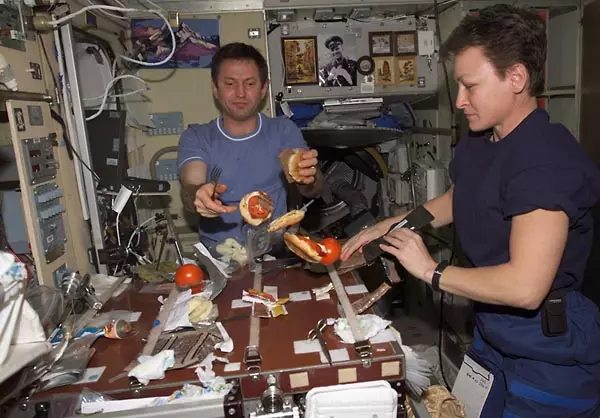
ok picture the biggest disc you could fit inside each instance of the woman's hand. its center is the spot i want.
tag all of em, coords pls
(410, 250)
(363, 238)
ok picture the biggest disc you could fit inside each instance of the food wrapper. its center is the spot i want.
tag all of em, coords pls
(253, 295)
(118, 329)
(264, 305)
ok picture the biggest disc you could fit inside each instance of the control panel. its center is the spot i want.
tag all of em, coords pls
(39, 157)
(34, 141)
(51, 226)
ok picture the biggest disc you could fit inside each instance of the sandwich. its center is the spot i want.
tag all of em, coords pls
(325, 252)
(289, 159)
(286, 220)
(256, 207)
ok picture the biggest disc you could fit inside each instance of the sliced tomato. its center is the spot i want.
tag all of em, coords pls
(256, 209)
(332, 251)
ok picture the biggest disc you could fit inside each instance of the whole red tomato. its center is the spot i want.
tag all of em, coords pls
(332, 251)
(189, 275)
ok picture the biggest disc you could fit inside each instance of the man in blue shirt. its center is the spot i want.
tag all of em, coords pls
(521, 198)
(244, 143)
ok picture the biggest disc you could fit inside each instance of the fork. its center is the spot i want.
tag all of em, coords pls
(215, 174)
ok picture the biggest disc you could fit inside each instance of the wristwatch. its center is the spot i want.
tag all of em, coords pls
(437, 274)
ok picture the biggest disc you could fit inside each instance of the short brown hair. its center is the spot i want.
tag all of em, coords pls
(241, 52)
(508, 35)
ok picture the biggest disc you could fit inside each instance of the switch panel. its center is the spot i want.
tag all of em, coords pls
(170, 123)
(51, 227)
(39, 158)
(43, 196)
(166, 170)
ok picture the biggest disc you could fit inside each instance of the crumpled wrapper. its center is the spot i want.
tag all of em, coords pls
(153, 367)
(370, 324)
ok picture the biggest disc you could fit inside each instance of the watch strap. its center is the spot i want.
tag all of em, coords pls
(437, 274)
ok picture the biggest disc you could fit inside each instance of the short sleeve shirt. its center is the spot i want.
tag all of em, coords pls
(539, 165)
(248, 164)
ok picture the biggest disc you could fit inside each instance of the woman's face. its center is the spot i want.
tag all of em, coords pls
(485, 97)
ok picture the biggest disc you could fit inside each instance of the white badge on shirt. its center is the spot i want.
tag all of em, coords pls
(472, 386)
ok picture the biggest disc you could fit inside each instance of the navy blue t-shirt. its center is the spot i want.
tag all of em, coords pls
(539, 165)
(249, 163)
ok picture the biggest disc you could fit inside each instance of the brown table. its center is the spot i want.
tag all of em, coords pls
(297, 373)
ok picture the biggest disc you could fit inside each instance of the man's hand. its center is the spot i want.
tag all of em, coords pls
(307, 166)
(207, 207)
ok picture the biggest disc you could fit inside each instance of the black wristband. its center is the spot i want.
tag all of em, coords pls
(437, 274)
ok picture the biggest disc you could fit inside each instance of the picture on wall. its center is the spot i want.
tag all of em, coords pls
(300, 60)
(196, 41)
(406, 70)
(381, 44)
(337, 60)
(384, 71)
(406, 43)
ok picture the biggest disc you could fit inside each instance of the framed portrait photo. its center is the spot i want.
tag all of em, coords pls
(381, 44)
(300, 60)
(405, 43)
(406, 74)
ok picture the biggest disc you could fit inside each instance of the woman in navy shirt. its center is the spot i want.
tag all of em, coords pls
(520, 200)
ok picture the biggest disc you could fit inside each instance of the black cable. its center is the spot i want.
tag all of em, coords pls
(60, 120)
(272, 27)
(54, 79)
(70, 148)
(441, 320)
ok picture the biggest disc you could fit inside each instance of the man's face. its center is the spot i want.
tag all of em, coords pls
(337, 52)
(239, 90)
(484, 96)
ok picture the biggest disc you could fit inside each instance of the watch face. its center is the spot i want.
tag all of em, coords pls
(365, 65)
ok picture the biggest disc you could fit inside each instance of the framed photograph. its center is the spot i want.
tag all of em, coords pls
(384, 71)
(300, 60)
(406, 71)
(381, 44)
(405, 43)
(337, 59)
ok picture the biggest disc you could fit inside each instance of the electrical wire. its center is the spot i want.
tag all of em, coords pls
(453, 249)
(57, 22)
(43, 45)
(114, 96)
(104, 12)
(117, 226)
(378, 20)
(70, 146)
(107, 90)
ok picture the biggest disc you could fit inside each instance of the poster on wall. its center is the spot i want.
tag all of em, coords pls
(196, 40)
(407, 71)
(384, 71)
(406, 43)
(381, 44)
(337, 60)
(300, 60)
